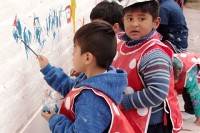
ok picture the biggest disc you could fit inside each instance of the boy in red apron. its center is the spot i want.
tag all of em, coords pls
(91, 100)
(149, 102)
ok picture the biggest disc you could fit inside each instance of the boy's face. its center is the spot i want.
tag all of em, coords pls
(138, 24)
(78, 58)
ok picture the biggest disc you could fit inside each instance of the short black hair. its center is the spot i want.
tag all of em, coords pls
(98, 38)
(152, 7)
(110, 12)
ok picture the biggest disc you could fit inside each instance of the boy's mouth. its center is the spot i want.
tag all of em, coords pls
(134, 32)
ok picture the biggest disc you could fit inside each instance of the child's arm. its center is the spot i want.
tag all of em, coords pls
(155, 69)
(92, 115)
(194, 92)
(55, 77)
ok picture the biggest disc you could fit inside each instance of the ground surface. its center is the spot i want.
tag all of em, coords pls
(194, 4)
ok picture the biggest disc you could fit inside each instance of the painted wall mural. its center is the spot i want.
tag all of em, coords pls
(48, 30)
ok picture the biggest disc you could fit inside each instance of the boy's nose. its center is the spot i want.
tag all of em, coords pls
(134, 24)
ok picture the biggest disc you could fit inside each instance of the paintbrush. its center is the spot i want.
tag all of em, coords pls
(29, 48)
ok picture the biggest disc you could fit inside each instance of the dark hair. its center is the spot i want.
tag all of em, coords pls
(151, 7)
(98, 38)
(110, 12)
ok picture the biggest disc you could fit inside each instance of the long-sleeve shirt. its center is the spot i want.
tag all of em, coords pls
(155, 68)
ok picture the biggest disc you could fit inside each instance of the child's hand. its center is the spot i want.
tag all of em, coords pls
(43, 61)
(48, 115)
(197, 121)
(73, 72)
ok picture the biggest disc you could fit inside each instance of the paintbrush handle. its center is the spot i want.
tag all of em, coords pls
(29, 48)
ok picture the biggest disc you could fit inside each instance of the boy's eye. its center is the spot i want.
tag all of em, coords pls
(141, 19)
(129, 19)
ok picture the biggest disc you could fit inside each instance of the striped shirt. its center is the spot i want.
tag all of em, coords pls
(155, 69)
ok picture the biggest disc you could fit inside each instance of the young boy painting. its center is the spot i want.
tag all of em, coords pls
(92, 99)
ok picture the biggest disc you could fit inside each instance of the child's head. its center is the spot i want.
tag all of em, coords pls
(177, 67)
(110, 12)
(94, 43)
(141, 18)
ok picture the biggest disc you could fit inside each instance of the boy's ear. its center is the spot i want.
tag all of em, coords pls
(88, 58)
(156, 23)
(116, 27)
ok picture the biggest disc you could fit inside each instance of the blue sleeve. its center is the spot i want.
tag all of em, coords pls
(92, 115)
(57, 79)
(164, 15)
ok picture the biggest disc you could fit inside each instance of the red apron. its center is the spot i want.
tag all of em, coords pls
(119, 123)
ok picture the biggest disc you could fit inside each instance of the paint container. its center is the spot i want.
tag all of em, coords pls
(50, 100)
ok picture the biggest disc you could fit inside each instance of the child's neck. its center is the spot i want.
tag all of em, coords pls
(94, 71)
(131, 42)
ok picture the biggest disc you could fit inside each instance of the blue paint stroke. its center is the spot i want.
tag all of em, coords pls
(53, 22)
(17, 31)
(15, 35)
(59, 16)
(27, 39)
(29, 36)
(19, 28)
(38, 32)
